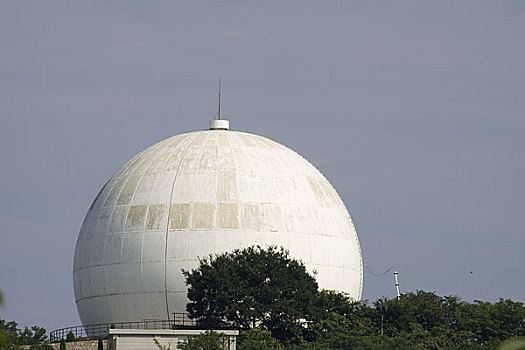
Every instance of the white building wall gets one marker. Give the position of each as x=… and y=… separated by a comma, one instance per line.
x=140, y=339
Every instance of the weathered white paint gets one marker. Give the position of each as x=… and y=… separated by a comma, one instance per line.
x=143, y=339
x=200, y=193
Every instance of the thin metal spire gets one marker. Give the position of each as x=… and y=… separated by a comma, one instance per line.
x=219, y=112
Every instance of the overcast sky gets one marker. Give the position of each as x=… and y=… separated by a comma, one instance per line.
x=415, y=111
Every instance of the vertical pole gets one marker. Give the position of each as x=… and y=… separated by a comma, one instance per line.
x=397, y=285
x=382, y=316
x=219, y=113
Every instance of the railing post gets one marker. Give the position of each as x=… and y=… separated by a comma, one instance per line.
x=97, y=330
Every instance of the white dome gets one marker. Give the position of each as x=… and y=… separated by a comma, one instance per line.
x=197, y=194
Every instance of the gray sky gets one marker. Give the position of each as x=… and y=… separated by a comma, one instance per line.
x=414, y=110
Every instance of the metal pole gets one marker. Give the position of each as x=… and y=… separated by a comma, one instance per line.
x=219, y=113
x=397, y=285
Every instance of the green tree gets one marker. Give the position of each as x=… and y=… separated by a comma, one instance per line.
x=70, y=336
x=339, y=321
x=6, y=342
x=253, y=287
x=8, y=335
x=271, y=298
x=160, y=346
x=209, y=340
x=11, y=336
x=34, y=336
x=258, y=339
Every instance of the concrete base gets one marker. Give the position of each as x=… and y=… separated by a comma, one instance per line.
x=131, y=339
x=76, y=345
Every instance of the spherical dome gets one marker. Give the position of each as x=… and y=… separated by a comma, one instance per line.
x=202, y=193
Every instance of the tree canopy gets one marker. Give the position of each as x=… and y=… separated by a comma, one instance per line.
x=276, y=304
x=258, y=339
x=252, y=287
x=418, y=320
x=209, y=340
x=11, y=337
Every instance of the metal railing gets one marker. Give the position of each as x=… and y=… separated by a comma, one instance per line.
x=94, y=331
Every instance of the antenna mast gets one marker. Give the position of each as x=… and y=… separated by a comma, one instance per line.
x=219, y=112
x=397, y=285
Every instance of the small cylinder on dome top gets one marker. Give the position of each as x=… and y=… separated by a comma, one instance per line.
x=219, y=124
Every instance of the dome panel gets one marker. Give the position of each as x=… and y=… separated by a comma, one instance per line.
x=204, y=193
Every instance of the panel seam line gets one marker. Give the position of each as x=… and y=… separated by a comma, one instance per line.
x=168, y=224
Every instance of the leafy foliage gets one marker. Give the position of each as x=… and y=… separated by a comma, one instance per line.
x=160, y=346
x=420, y=320
x=11, y=337
x=277, y=305
x=258, y=339
x=70, y=336
x=251, y=288
x=209, y=340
